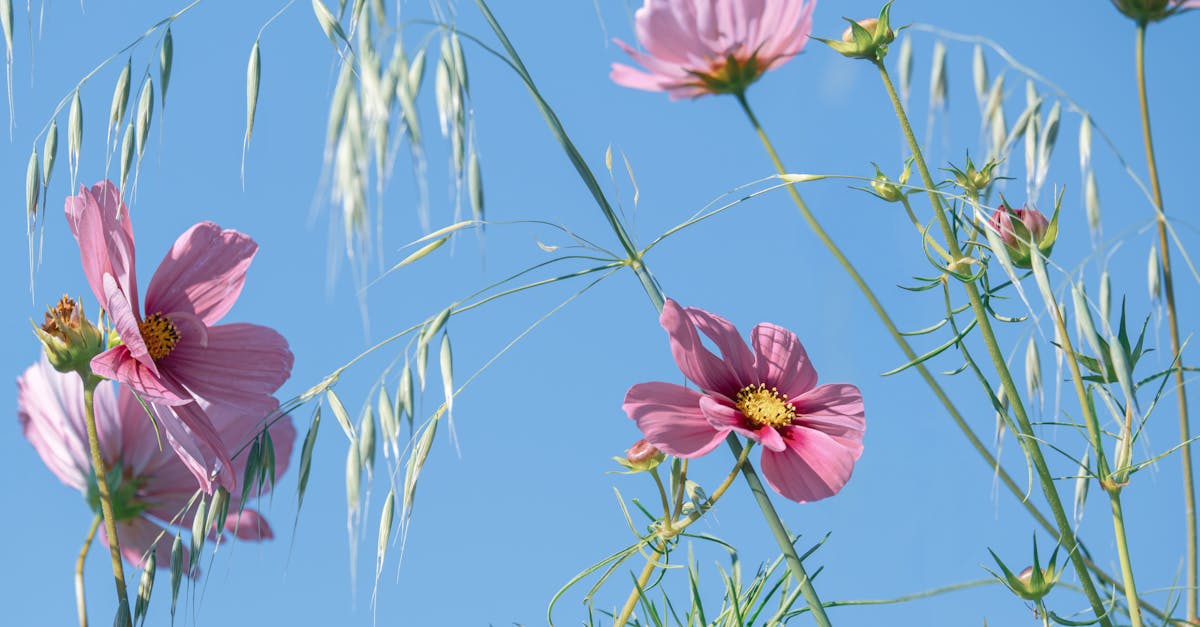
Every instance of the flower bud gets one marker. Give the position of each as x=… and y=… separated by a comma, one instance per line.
x=973, y=180
x=643, y=456
x=867, y=38
x=1030, y=230
x=69, y=339
x=1034, y=582
x=1145, y=11
x=887, y=190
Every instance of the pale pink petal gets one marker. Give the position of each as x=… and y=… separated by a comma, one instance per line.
x=669, y=417
x=812, y=467
x=668, y=32
x=239, y=363
x=202, y=274
x=117, y=364
x=50, y=411
x=248, y=525
x=734, y=352
x=723, y=416
x=790, y=37
x=835, y=408
x=138, y=537
x=782, y=361
x=126, y=321
x=198, y=445
x=695, y=361
x=100, y=222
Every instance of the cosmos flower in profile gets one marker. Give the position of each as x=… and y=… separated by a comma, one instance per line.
x=811, y=435
x=175, y=354
x=715, y=47
x=150, y=485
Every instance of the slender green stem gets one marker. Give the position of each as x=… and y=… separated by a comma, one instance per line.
x=662, y=493
x=110, y=523
x=1065, y=531
x=781, y=535
x=1164, y=258
x=1093, y=427
x=673, y=529
x=80, y=600
x=1135, y=611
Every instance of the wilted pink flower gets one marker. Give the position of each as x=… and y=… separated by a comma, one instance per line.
x=152, y=486
x=811, y=435
x=712, y=47
x=176, y=355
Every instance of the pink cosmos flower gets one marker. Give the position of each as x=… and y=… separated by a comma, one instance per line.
x=176, y=354
x=811, y=435
x=152, y=485
x=695, y=47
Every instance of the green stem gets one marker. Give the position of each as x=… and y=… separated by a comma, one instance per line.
x=110, y=523
x=1029, y=442
x=80, y=601
x=642, y=580
x=1135, y=611
x=1164, y=258
x=781, y=535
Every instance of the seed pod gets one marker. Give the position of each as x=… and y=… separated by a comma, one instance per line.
x=1033, y=370
x=49, y=152
x=1154, y=275
x=166, y=55
x=1106, y=295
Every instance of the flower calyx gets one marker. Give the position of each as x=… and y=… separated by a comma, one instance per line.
x=69, y=338
x=1034, y=582
x=867, y=38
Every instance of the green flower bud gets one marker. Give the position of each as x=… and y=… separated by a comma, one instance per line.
x=1034, y=582
x=865, y=39
x=972, y=180
x=69, y=339
x=1145, y=11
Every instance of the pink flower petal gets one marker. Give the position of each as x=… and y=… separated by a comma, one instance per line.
x=734, y=352
x=126, y=320
x=199, y=446
x=140, y=536
x=248, y=524
x=240, y=363
x=781, y=360
x=669, y=417
x=812, y=467
x=100, y=222
x=695, y=361
x=50, y=411
x=202, y=274
x=725, y=417
x=116, y=363
x=835, y=408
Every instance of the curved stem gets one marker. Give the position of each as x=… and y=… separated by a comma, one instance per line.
x=1065, y=531
x=642, y=580
x=1164, y=259
x=110, y=523
x=80, y=601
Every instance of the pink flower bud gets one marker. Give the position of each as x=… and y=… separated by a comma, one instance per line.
x=643, y=455
x=1034, y=224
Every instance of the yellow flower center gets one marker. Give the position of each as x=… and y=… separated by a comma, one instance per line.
x=160, y=335
x=765, y=406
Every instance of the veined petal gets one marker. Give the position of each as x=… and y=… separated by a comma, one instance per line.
x=782, y=361
x=835, y=408
x=126, y=320
x=812, y=467
x=50, y=411
x=240, y=363
x=116, y=363
x=199, y=446
x=734, y=352
x=100, y=222
x=202, y=274
x=722, y=416
x=669, y=416
x=695, y=361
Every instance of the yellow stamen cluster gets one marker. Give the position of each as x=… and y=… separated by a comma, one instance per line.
x=765, y=406
x=160, y=335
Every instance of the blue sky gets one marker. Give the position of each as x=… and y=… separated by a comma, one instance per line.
x=521, y=502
